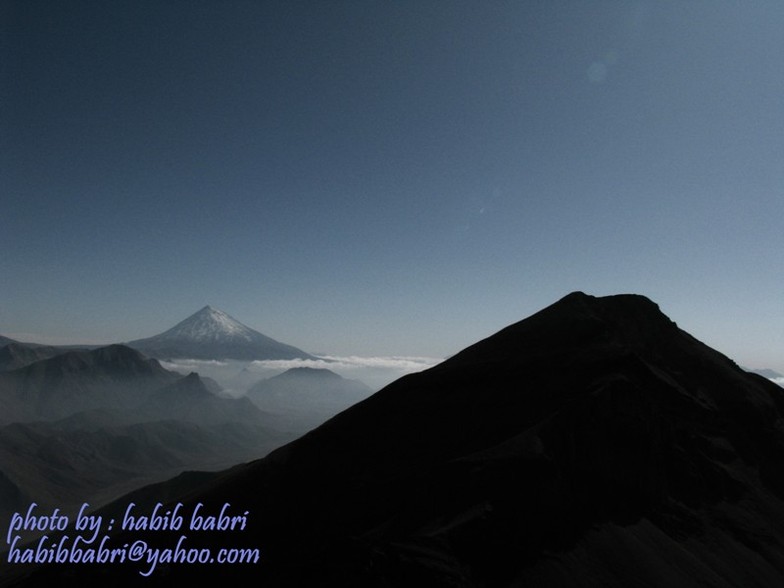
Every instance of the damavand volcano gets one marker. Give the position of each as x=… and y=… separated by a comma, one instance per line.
x=213, y=334
x=593, y=444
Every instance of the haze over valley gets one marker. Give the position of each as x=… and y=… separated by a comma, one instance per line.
x=88, y=425
x=392, y=286
x=592, y=433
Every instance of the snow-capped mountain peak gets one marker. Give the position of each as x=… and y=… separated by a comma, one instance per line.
x=210, y=325
x=211, y=333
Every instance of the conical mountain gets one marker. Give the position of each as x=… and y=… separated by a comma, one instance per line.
x=594, y=444
x=213, y=334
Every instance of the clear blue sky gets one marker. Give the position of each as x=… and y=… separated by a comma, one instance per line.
x=390, y=177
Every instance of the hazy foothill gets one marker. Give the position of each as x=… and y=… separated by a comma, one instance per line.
x=594, y=443
x=87, y=425
x=382, y=294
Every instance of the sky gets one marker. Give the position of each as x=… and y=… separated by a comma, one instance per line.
x=390, y=178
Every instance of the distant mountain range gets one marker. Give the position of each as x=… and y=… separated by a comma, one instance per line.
x=592, y=444
x=15, y=355
x=117, y=381
x=114, y=376
x=304, y=397
x=213, y=334
x=90, y=425
x=770, y=374
x=206, y=334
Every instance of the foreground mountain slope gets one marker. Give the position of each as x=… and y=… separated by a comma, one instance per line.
x=213, y=334
x=63, y=464
x=592, y=444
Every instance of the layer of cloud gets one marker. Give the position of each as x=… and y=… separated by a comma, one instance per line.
x=401, y=363
x=192, y=364
x=779, y=381
x=237, y=376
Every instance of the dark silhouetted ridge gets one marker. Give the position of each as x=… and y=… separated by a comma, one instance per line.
x=592, y=444
x=579, y=321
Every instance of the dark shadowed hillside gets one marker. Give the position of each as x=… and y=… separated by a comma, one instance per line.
x=98, y=457
x=594, y=444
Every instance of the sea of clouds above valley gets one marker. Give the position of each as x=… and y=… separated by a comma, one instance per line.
x=237, y=376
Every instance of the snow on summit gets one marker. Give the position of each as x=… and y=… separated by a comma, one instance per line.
x=210, y=325
x=213, y=334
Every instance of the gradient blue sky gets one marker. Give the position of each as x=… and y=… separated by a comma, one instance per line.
x=390, y=177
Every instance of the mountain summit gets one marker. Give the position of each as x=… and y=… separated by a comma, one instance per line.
x=209, y=325
x=212, y=334
x=593, y=444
